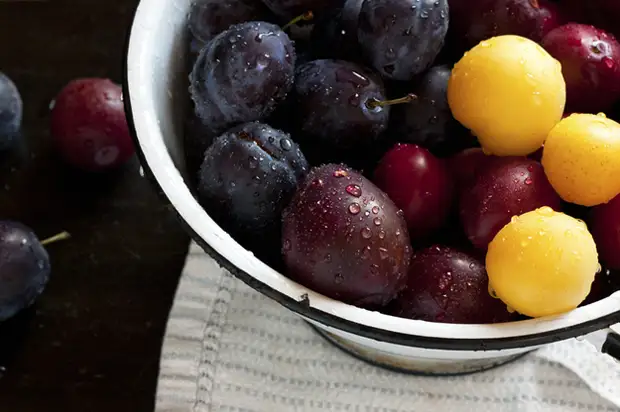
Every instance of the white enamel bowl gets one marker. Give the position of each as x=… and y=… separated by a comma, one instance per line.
x=155, y=92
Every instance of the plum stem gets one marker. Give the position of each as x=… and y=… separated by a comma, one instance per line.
x=535, y=4
x=374, y=103
x=307, y=16
x=56, y=238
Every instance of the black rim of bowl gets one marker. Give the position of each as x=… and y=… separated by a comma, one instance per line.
x=303, y=309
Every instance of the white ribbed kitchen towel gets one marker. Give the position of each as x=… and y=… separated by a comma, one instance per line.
x=229, y=348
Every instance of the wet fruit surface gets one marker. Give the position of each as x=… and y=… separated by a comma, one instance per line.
x=334, y=112
x=419, y=184
x=208, y=18
x=509, y=92
x=24, y=268
x=590, y=60
x=604, y=223
x=542, y=263
x=428, y=121
x=88, y=125
x=482, y=19
x=242, y=74
x=288, y=9
x=448, y=285
x=465, y=166
x=581, y=159
x=10, y=112
x=343, y=237
x=434, y=125
x=603, y=14
x=247, y=177
x=507, y=186
x=335, y=32
x=402, y=37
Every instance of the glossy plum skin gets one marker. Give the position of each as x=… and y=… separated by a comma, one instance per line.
x=343, y=237
x=89, y=126
x=505, y=187
x=428, y=121
x=605, y=283
x=288, y=9
x=247, y=177
x=419, y=184
x=24, y=268
x=603, y=14
x=331, y=110
x=208, y=18
x=11, y=110
x=474, y=21
x=448, y=285
x=465, y=166
x=605, y=228
x=402, y=37
x=335, y=32
x=241, y=75
x=590, y=65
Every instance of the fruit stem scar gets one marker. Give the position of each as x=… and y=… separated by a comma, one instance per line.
x=61, y=236
x=374, y=103
x=307, y=16
x=245, y=136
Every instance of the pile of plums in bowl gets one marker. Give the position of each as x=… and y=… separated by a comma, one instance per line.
x=441, y=160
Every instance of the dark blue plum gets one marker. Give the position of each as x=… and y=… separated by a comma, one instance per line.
x=335, y=32
x=247, y=177
x=402, y=38
x=208, y=18
x=427, y=121
x=288, y=9
x=336, y=111
x=24, y=268
x=11, y=108
x=241, y=75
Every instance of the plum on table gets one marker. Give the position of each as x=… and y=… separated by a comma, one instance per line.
x=402, y=38
x=340, y=110
x=343, y=237
x=247, y=177
x=89, y=126
x=448, y=285
x=590, y=60
x=24, y=267
x=241, y=75
x=507, y=186
x=427, y=120
x=419, y=184
x=208, y=18
x=580, y=159
x=542, y=263
x=11, y=108
x=509, y=92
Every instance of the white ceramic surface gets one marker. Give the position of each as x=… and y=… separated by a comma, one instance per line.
x=156, y=90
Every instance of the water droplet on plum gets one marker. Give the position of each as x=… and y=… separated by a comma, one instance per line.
x=366, y=232
x=354, y=208
x=354, y=190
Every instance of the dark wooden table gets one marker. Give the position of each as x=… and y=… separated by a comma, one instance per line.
x=92, y=341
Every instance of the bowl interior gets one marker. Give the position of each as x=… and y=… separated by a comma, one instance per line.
x=156, y=99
